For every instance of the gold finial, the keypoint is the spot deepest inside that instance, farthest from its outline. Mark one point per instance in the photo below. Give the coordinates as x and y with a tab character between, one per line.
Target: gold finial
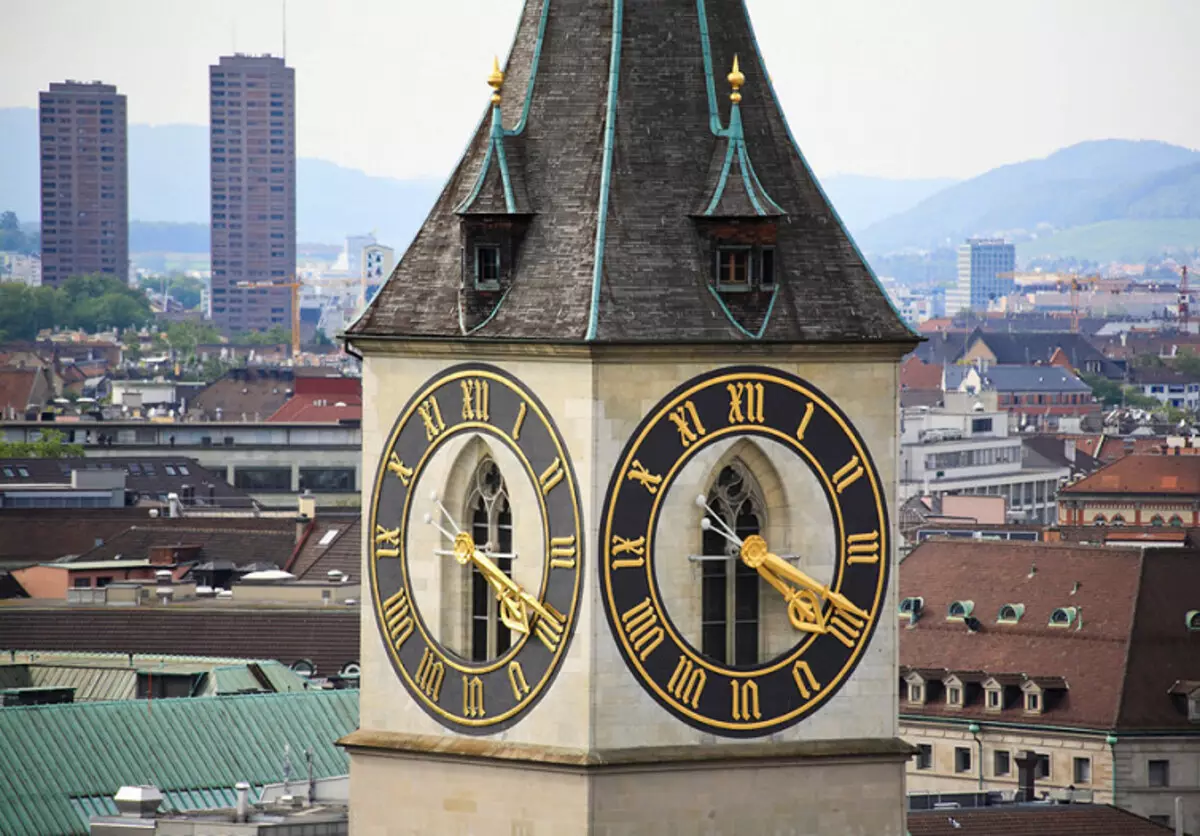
736	80
496	80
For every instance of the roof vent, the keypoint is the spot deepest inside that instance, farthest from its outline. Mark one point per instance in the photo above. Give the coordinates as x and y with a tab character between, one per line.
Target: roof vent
1193	621
1063	617
960	610
912	607
1010	613
138	802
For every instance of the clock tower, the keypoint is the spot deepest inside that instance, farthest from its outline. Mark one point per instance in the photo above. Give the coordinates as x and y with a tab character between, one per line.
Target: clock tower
630	442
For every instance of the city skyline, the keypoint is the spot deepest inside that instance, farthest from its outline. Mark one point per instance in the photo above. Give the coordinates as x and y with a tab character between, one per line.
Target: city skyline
869	88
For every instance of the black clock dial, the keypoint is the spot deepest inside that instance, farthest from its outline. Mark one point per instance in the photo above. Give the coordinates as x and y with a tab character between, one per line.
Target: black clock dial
476	695
831	622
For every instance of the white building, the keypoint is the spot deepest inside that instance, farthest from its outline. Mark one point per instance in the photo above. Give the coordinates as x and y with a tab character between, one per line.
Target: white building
966	448
985	275
19	267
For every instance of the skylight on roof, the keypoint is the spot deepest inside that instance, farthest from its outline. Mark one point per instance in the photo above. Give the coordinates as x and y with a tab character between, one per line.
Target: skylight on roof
327	537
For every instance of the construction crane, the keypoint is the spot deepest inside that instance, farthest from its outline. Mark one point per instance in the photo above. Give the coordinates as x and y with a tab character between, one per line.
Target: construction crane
295	295
1075	283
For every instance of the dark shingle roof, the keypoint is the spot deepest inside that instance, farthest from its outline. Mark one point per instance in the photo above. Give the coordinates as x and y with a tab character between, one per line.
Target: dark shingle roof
1033	379
1059	820
635	247
266	541
335	543
147	477
1120	657
326	636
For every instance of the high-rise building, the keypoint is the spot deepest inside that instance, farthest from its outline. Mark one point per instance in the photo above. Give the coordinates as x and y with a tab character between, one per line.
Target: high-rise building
85	192
981	261
253	191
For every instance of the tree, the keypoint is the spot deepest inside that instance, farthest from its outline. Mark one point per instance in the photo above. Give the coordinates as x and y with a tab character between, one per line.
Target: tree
1187	362
185	336
50	445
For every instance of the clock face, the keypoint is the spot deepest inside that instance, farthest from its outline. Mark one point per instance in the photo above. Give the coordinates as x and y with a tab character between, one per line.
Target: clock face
476	548
744	551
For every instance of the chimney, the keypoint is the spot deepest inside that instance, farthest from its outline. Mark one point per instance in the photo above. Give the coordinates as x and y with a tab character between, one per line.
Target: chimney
1026	770
243	801
308	505
139	802
1069	449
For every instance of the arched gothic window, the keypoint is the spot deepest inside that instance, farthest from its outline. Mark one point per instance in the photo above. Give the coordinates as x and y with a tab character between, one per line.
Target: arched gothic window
729	591
492	529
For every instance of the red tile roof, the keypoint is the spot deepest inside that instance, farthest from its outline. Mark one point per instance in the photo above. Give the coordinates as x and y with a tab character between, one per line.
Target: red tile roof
917	374
16	388
1142	474
1048	820
325	400
1126	646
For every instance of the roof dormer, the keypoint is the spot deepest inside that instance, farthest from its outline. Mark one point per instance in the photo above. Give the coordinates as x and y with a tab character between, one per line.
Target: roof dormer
1039	690
1189	691
920	684
739	222
911	608
959	610
1010	614
961	688
1063	617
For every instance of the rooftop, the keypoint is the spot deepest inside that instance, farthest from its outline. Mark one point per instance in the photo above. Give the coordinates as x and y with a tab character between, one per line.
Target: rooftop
194	751
1143	474
1024	819
1032	379
1120	639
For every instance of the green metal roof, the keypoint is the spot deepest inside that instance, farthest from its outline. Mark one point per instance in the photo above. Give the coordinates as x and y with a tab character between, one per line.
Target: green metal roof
59	764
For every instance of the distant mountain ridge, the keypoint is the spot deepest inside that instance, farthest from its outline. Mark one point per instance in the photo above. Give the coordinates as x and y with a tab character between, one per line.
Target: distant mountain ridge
861	200
1085	184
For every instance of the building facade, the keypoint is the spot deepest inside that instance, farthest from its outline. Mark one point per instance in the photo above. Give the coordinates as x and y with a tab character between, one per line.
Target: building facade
981	261
253	191
85	181
1084	655
959	450
1137	490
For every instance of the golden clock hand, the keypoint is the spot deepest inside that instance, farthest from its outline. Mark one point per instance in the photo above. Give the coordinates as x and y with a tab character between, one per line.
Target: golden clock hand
756	555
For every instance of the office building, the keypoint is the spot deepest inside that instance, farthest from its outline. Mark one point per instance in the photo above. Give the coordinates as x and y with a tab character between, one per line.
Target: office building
985	267
253	188
85	192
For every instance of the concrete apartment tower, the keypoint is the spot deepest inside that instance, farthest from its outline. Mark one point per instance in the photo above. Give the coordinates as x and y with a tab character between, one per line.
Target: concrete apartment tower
629	439
85	181
252	147
981	261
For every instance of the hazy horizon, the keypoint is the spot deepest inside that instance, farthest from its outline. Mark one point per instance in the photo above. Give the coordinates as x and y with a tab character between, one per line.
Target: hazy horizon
935	89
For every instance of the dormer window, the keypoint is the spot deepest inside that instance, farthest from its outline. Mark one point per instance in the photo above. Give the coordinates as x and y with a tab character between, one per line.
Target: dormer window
959	610
1118	519
487	267
995	699
1099	520
1062	617
1011	613
954	696
1192	620
916	693
1033	702
733	268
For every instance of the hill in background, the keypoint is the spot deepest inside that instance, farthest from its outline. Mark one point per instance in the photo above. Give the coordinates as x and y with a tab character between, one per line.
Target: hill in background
1110	182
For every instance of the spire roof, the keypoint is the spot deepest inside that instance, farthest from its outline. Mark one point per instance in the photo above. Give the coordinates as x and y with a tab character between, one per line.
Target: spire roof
611	143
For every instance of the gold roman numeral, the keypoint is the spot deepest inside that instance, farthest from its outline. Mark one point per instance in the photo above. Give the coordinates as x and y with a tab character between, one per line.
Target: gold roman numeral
687	420
845	627
803	428
848	475
688	681
397	617
516	678
745	403
636	547
472	696
638	473
562	552
551	476
805	681
642	629
389	537
430	674
397	467
517	424
475	399
431	416
549	629
745	700
863	548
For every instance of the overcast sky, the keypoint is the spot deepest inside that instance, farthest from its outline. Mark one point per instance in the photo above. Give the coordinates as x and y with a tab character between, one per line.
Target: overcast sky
896	88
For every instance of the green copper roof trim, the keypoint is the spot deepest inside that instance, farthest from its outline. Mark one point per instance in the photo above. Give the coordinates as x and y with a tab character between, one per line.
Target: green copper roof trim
795	145
737	144
610	128
496	149
714	117
729	314
462	325
519	128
